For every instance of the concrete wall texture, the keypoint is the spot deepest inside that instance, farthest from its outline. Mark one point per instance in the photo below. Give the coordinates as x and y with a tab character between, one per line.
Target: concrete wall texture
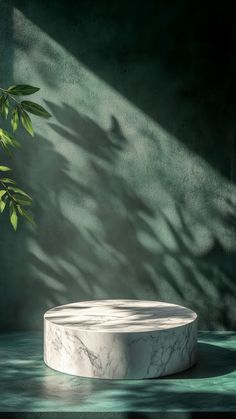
133	178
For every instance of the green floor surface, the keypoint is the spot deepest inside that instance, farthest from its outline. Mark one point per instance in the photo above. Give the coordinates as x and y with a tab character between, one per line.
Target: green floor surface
28	385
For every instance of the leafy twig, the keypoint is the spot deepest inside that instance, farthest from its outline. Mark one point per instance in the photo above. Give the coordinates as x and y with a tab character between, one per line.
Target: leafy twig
15	196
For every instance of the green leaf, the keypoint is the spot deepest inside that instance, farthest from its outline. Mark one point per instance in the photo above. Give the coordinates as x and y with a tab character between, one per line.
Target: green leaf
5	134
22	199
27	215
18	190
35	109
5	108
13	215
2	192
7	180
15	119
26	122
3	202
7	139
4	168
22	90
2	206
19	209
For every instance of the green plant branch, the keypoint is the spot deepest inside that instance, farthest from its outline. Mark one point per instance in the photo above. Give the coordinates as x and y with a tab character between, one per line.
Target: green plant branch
8	193
15	198
12	97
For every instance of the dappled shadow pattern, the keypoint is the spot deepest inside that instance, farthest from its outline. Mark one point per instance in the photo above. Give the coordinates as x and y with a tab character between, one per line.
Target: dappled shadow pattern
94	230
125	315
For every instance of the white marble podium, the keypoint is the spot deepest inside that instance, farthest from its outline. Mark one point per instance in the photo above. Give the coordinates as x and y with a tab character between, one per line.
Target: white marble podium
120	339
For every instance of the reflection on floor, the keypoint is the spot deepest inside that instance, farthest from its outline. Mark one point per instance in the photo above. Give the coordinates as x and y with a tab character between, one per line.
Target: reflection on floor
27	385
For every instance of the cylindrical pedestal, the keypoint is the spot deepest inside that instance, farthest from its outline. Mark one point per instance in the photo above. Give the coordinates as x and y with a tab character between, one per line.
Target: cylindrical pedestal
120	339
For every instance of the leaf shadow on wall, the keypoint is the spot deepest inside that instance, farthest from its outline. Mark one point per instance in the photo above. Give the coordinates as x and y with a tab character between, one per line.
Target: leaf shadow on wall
88	242
174	61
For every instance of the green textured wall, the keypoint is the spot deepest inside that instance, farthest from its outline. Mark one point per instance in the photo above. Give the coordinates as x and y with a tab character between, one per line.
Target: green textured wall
133	178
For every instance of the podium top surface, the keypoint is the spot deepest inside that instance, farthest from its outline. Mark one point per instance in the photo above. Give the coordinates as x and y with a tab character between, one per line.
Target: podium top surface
120	316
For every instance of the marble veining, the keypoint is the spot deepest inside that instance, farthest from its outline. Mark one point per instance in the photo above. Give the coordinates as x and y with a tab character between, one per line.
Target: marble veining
125	339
